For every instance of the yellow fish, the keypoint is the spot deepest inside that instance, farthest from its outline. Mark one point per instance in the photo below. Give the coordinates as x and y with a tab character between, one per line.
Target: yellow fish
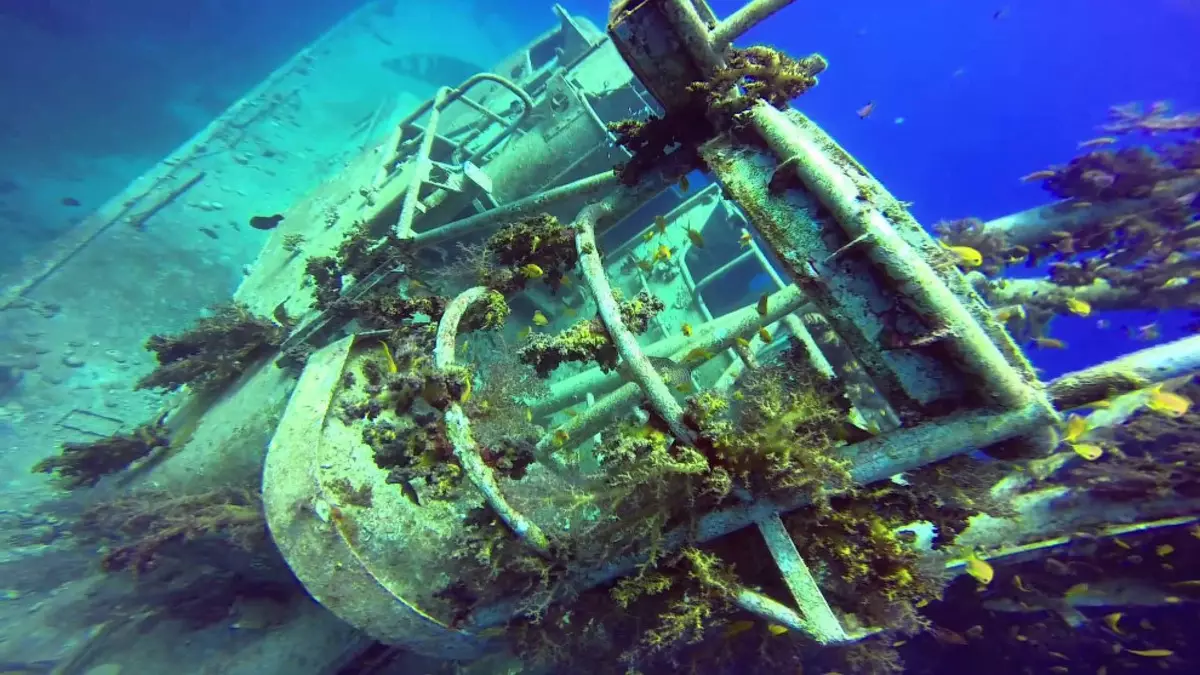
648	235
776	629
561	437
738	627
1167	402
1112	621
570	311
764	335
662	253
1006	313
980	570
387	353
1048	343
524	333
698	354
687	329
967	256
1097	142
762	305
1078	307
1151	653
1077	425
537	241
531	271
1164	550
540	319
1089	451
528	414
660	224
741	341
745	240
696	237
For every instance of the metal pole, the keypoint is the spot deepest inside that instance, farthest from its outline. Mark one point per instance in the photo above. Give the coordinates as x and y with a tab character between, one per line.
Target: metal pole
737	24
515	210
1128	373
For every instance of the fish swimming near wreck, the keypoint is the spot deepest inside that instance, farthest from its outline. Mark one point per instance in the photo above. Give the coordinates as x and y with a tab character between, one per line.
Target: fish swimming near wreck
675	375
439	70
266	222
1110	593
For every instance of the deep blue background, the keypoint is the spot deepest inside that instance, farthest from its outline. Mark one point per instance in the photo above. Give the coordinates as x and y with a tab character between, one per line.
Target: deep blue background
984	100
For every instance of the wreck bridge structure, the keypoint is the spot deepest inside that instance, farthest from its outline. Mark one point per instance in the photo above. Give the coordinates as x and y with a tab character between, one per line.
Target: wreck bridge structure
880	312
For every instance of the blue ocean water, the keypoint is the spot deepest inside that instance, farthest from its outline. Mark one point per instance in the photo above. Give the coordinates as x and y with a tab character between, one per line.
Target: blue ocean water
964	98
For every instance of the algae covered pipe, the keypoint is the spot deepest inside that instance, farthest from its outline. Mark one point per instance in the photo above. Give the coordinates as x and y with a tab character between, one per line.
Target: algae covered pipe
802	145
870	461
1046	223
714	336
1100	294
458	428
816	618
521	208
1127	373
640	368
